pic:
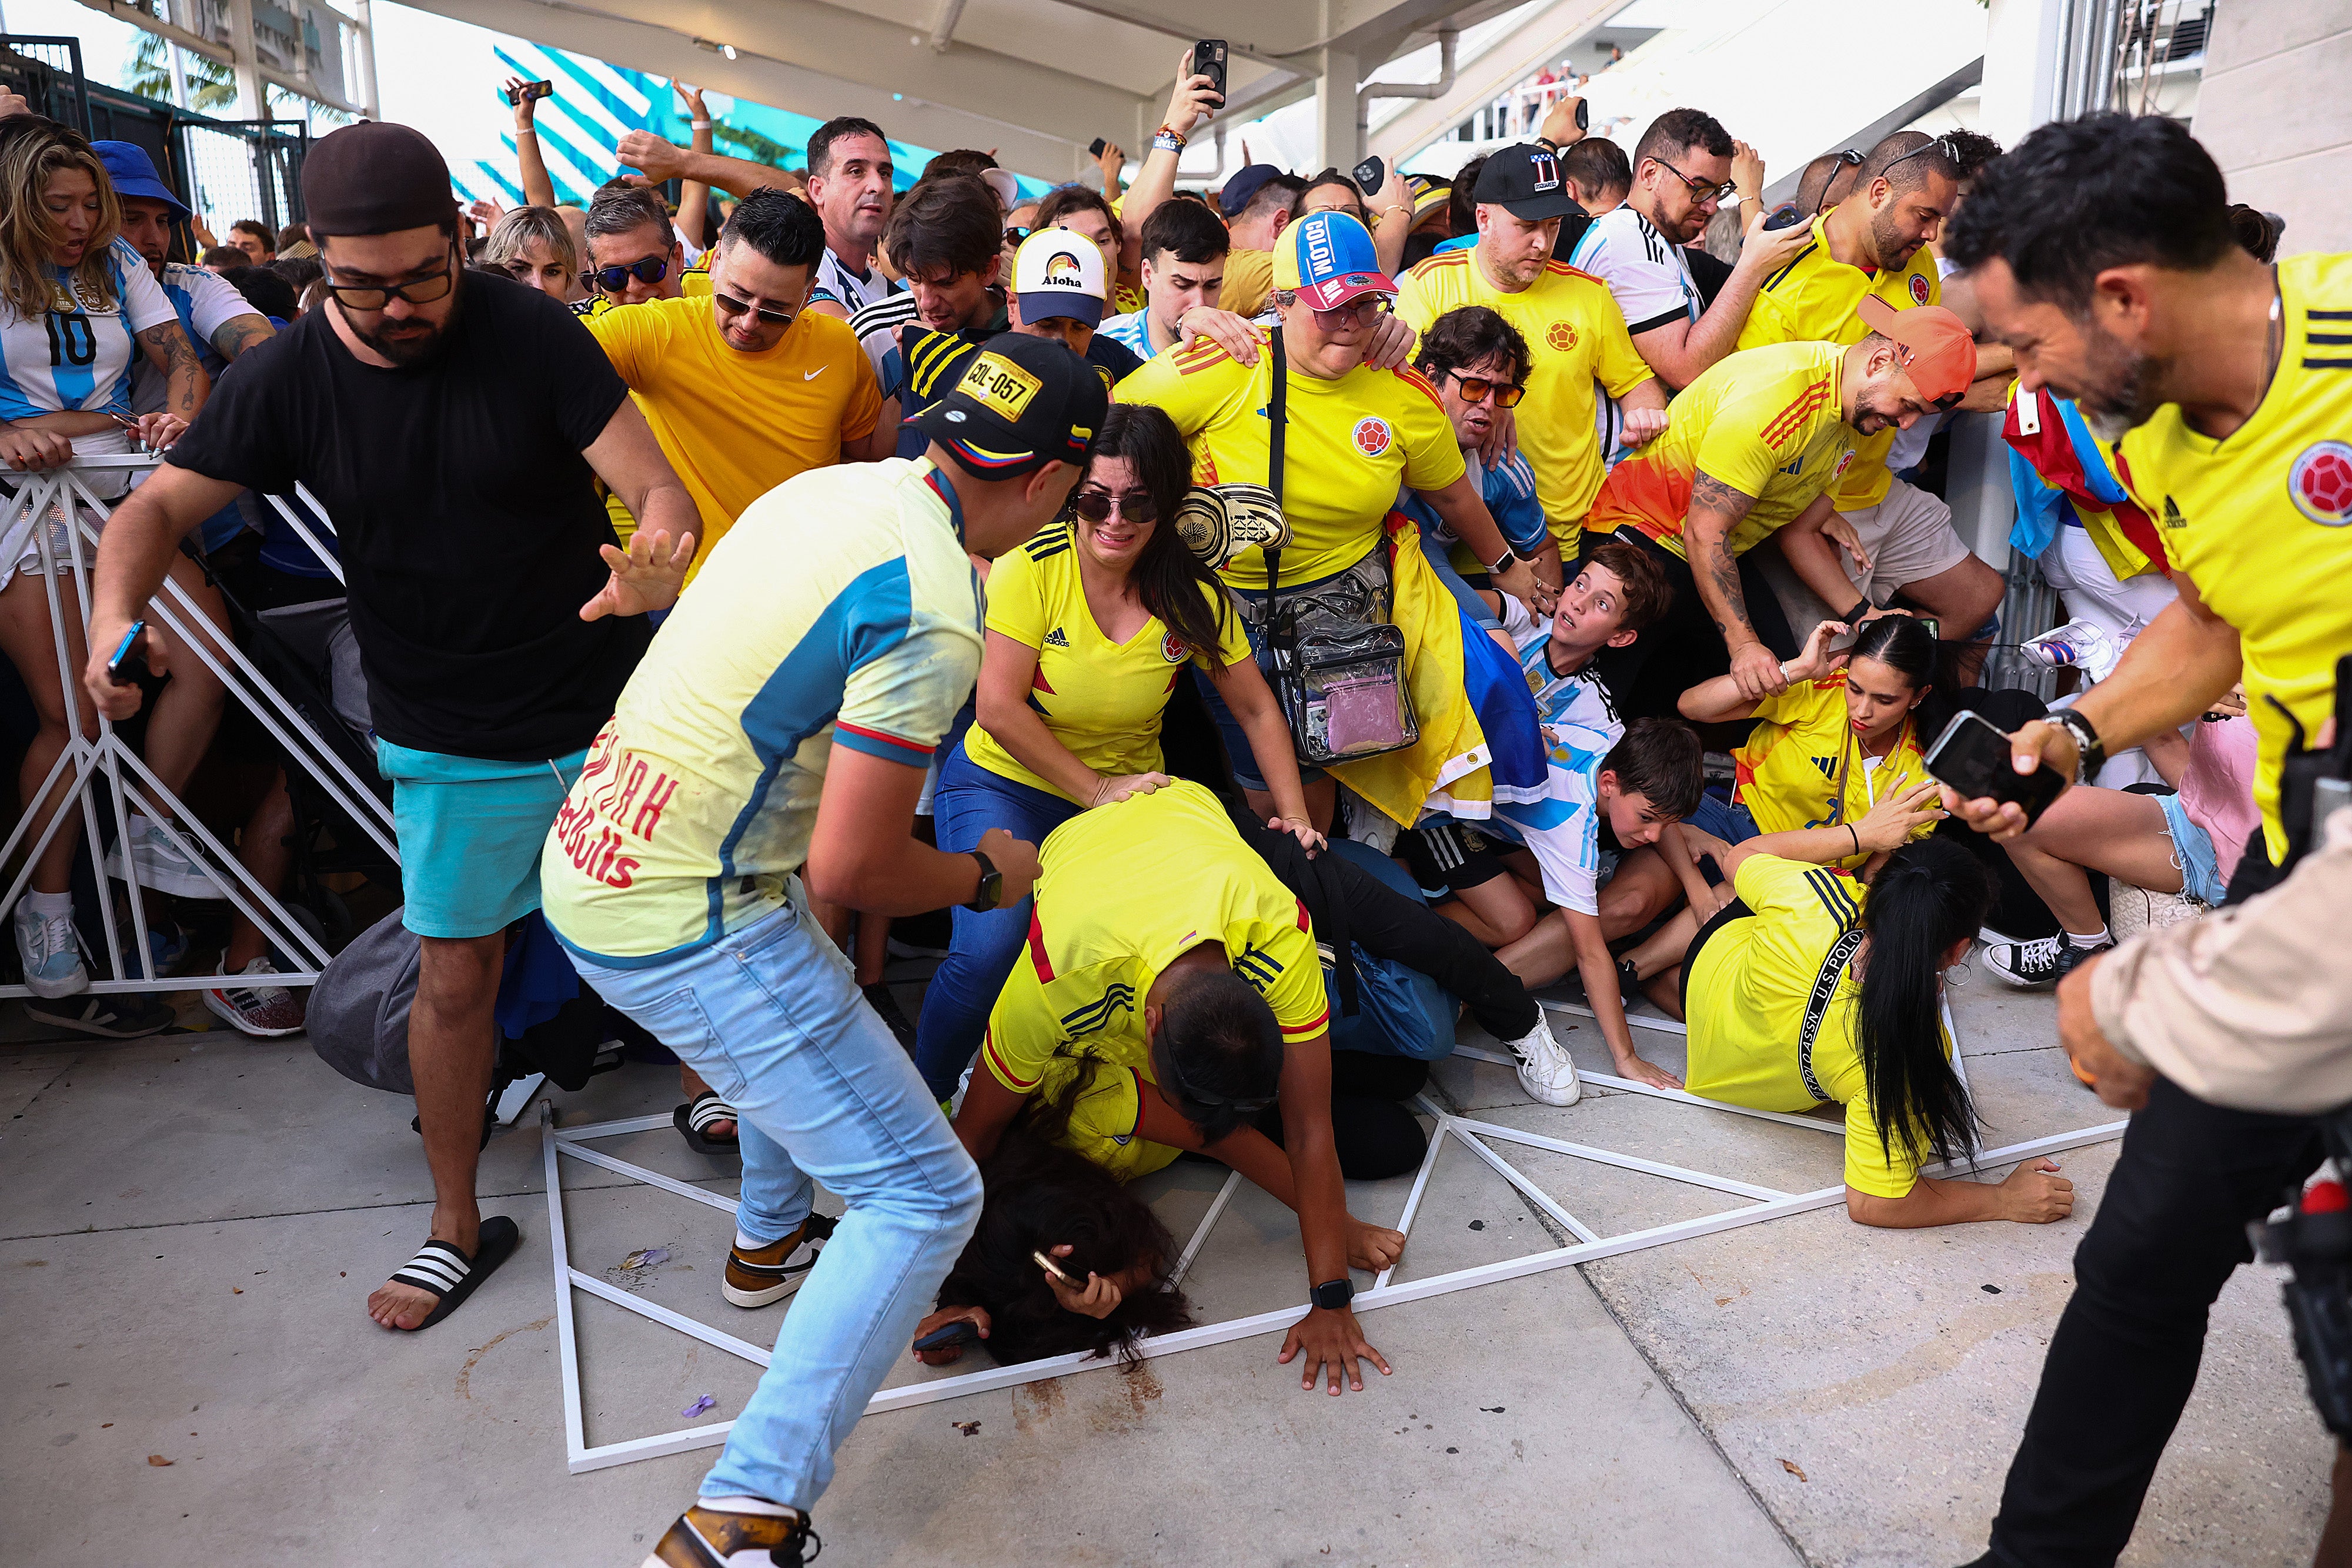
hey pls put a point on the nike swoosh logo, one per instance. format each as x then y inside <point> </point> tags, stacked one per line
<point>811,375</point>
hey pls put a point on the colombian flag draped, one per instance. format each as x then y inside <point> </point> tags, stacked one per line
<point>2056,464</point>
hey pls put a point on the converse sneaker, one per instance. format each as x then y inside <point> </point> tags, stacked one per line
<point>1544,1071</point>
<point>50,951</point>
<point>2041,963</point>
<point>262,1012</point>
<point>770,1273</point>
<point>159,863</point>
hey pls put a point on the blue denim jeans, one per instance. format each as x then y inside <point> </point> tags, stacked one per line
<point>1725,819</point>
<point>771,1019</point>
<point>970,800</point>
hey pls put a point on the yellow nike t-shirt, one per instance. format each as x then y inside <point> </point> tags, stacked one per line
<point>1749,991</point>
<point>736,425</point>
<point>1765,422</point>
<point>1102,700</point>
<point>1350,444</point>
<point>1577,336</point>
<point>1123,891</point>
<point>1802,767</point>
<point>2262,520</point>
<point>1814,299</point>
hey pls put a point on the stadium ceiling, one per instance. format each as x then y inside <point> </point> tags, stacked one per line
<point>1038,80</point>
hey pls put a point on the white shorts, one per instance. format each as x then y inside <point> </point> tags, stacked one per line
<point>2120,608</point>
<point>1909,537</point>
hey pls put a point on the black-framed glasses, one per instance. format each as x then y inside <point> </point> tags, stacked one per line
<point>1703,190</point>
<point>422,291</point>
<point>734,306</point>
<point>1097,505</point>
<point>1475,389</point>
<point>645,270</point>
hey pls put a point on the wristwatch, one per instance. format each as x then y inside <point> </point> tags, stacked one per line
<point>2091,750</point>
<point>1333,1295</point>
<point>992,885</point>
<point>1502,563</point>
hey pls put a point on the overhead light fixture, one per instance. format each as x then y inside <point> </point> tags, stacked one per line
<point>726,49</point>
<point>716,48</point>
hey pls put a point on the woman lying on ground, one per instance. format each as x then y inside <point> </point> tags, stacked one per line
<point>1805,992</point>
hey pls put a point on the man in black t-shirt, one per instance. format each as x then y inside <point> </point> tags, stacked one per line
<point>452,423</point>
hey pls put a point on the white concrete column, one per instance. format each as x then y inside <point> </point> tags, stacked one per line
<point>1334,111</point>
<point>251,103</point>
<point>2023,42</point>
<point>2271,111</point>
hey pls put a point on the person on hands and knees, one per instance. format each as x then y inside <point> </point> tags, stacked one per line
<point>786,717</point>
<point>1166,961</point>
<point>493,636</point>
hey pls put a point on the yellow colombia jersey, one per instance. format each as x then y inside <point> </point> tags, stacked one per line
<point>1578,336</point>
<point>2262,520</point>
<point>1765,422</point>
<point>1802,767</point>
<point>1123,891</point>
<point>1105,1111</point>
<point>1748,989</point>
<point>1813,298</point>
<point>1249,278</point>
<point>1349,444</point>
<point>1101,700</point>
<point>736,425</point>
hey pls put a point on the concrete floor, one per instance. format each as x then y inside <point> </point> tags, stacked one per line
<point>1803,1391</point>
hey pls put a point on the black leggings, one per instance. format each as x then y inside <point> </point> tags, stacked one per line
<point>1375,1135</point>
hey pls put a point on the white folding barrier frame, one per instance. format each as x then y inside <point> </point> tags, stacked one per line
<point>130,783</point>
<point>1472,1135</point>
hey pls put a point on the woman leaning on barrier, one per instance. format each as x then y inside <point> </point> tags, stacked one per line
<point>78,306</point>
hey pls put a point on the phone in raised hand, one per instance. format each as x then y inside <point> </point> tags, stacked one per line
<point>530,90</point>
<point>1209,60</point>
<point>1370,176</point>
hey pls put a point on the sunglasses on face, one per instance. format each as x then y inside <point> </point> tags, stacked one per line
<point>1015,234</point>
<point>646,269</point>
<point>416,290</point>
<point>1476,388</point>
<point>1099,505</point>
<point>734,306</point>
<point>1699,189</point>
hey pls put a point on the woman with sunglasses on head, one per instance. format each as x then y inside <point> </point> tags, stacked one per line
<point>1352,436</point>
<point>1089,625</point>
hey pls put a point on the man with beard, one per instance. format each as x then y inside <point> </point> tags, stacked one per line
<point>2101,251</point>
<point>451,421</point>
<point>1876,243</point>
<point>1681,170</point>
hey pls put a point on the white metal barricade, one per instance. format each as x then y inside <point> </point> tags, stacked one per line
<point>57,516</point>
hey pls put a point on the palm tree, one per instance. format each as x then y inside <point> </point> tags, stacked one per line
<point>212,87</point>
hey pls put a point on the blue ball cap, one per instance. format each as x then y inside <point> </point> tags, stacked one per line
<point>1328,258</point>
<point>134,173</point>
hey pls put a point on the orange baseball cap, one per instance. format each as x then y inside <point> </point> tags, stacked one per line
<point>1943,360</point>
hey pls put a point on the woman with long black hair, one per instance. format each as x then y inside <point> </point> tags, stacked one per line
<point>1089,625</point>
<point>1803,992</point>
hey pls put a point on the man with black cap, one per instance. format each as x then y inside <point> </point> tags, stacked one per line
<point>1258,204</point>
<point>785,719</point>
<point>451,421</point>
<point>1569,320</point>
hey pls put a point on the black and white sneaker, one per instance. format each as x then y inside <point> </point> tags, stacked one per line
<point>111,1015</point>
<point>2040,964</point>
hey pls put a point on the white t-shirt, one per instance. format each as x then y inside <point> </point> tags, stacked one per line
<point>836,282</point>
<point>204,302</point>
<point>1648,276</point>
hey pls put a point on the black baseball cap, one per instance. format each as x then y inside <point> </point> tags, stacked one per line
<point>1525,180</point>
<point>1022,402</point>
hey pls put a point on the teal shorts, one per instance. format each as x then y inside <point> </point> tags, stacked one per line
<point>469,833</point>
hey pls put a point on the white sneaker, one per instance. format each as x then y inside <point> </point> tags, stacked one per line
<point>159,863</point>
<point>50,950</point>
<point>1545,1070</point>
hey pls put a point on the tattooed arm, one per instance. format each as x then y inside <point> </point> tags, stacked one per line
<point>1715,508</point>
<point>238,333</point>
<point>185,382</point>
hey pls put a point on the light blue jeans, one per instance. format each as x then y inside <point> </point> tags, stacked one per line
<point>823,1090</point>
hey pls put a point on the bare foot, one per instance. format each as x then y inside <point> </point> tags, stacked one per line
<point>398,1306</point>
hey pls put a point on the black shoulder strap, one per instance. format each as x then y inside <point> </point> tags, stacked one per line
<point>1279,423</point>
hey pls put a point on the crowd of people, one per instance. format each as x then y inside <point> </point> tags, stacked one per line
<point>1275,621</point>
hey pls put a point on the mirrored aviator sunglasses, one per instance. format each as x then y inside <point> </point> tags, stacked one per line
<point>648,269</point>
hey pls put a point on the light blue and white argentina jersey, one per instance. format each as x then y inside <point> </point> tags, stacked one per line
<point>78,353</point>
<point>205,302</point>
<point>1560,821</point>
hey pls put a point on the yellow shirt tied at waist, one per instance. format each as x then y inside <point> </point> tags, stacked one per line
<point>2262,520</point>
<point>1812,299</point>
<point>1802,765</point>
<point>736,425</point>
<point>1749,991</point>
<point>1123,891</point>
<point>1577,336</point>
<point>1350,444</point>
<point>1102,700</point>
<point>1765,421</point>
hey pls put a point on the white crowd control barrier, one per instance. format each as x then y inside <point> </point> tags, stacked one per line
<point>58,515</point>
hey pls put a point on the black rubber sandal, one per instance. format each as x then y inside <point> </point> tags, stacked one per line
<point>440,1270</point>
<point>693,1122</point>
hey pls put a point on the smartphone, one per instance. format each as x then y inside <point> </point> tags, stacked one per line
<point>1370,176</point>
<point>1972,757</point>
<point>532,89</point>
<point>1209,60</point>
<point>1056,1270</point>
<point>959,1333</point>
<point>128,661</point>
<point>1583,115</point>
<point>1785,216</point>
<point>1934,627</point>
<point>1095,148</point>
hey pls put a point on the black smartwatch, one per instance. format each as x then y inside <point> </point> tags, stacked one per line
<point>2087,745</point>
<point>992,885</point>
<point>1854,617</point>
<point>1333,1295</point>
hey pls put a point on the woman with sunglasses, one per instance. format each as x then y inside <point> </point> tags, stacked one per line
<point>1089,625</point>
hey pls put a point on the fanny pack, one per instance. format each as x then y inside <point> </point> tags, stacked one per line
<point>1339,664</point>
